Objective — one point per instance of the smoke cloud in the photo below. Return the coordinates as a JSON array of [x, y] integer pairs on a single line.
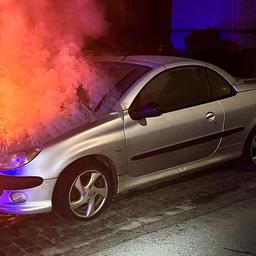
[[42, 66]]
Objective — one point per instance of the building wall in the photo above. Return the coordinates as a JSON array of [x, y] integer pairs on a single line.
[[235, 20], [247, 23], [219, 31], [138, 26]]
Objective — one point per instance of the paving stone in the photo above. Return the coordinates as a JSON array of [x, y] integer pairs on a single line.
[[24, 242], [51, 233], [32, 231], [6, 241], [35, 250], [2, 253], [11, 233], [41, 234], [41, 241], [13, 250]]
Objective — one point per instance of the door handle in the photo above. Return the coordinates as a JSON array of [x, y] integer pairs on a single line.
[[210, 117]]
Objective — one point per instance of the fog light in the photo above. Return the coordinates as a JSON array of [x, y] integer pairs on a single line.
[[18, 197]]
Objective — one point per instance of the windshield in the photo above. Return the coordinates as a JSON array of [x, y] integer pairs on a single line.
[[112, 81]]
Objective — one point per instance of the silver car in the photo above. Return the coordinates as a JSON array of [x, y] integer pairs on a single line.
[[165, 117]]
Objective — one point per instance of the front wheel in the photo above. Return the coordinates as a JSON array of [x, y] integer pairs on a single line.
[[83, 192], [249, 157]]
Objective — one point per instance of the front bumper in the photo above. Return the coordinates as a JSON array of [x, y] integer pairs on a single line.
[[39, 199]]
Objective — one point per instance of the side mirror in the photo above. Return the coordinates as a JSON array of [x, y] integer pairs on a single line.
[[150, 110]]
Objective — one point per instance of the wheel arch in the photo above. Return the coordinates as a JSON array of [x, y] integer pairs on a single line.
[[250, 134], [107, 162]]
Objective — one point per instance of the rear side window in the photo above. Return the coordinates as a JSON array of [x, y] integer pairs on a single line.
[[175, 89], [219, 86]]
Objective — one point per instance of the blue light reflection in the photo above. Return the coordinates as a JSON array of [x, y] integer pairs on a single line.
[[190, 15]]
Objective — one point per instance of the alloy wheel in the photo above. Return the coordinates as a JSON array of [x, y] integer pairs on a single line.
[[88, 193]]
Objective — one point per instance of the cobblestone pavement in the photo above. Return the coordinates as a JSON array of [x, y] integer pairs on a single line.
[[130, 215]]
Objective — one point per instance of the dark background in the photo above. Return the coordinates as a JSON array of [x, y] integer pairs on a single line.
[[217, 31]]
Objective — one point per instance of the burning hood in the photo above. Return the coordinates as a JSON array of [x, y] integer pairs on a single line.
[[42, 67]]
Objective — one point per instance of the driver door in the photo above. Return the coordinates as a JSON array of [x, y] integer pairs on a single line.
[[187, 130]]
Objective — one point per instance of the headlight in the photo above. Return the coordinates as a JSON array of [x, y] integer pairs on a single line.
[[17, 159]]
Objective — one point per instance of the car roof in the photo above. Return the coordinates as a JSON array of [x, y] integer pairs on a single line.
[[155, 61], [152, 61]]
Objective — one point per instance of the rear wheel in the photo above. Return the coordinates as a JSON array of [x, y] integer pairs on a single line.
[[83, 192], [249, 157]]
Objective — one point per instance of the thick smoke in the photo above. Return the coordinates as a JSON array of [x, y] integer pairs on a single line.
[[42, 66]]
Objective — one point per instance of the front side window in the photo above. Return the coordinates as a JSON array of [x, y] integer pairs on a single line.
[[219, 86], [175, 89]]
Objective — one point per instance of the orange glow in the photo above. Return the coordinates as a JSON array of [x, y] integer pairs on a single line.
[[41, 64]]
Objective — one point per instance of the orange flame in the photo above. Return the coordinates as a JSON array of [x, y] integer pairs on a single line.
[[41, 64]]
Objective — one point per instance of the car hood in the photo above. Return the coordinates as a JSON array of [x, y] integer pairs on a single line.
[[242, 85], [90, 126], [60, 131]]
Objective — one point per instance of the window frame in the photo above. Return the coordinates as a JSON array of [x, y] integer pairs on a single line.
[[204, 71], [131, 108], [233, 91]]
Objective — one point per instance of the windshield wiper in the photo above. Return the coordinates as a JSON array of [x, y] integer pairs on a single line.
[[102, 100], [121, 82]]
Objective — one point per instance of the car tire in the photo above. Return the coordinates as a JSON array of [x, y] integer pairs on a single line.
[[249, 154], [83, 191]]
